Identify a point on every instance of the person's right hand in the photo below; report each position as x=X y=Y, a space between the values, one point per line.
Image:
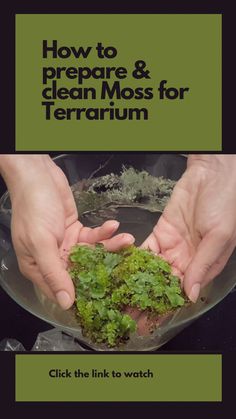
x=45 y=224
x=196 y=233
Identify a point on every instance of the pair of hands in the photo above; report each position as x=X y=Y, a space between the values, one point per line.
x=196 y=233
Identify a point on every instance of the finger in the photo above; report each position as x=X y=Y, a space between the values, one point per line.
x=167 y=235
x=71 y=237
x=174 y=248
x=178 y=257
x=54 y=274
x=151 y=243
x=32 y=273
x=178 y=273
x=118 y=242
x=208 y=253
x=94 y=235
x=218 y=267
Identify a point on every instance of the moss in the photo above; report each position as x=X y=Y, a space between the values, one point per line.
x=106 y=283
x=130 y=187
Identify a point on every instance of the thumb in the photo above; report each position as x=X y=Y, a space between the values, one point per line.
x=54 y=273
x=208 y=253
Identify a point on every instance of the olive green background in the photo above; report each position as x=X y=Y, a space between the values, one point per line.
x=183 y=49
x=176 y=378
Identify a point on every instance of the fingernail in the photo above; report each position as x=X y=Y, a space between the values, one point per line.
x=115 y=224
x=131 y=239
x=194 y=293
x=63 y=299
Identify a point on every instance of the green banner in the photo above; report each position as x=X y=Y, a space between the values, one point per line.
x=118 y=82
x=122 y=377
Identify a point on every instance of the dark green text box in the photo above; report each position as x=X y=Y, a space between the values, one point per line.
x=184 y=50
x=108 y=377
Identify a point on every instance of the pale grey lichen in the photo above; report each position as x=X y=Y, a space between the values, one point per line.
x=129 y=188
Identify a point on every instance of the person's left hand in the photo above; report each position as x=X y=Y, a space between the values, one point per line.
x=196 y=233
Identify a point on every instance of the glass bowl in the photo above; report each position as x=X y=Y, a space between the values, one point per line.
x=137 y=220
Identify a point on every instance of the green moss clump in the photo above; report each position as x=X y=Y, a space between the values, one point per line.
x=106 y=283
